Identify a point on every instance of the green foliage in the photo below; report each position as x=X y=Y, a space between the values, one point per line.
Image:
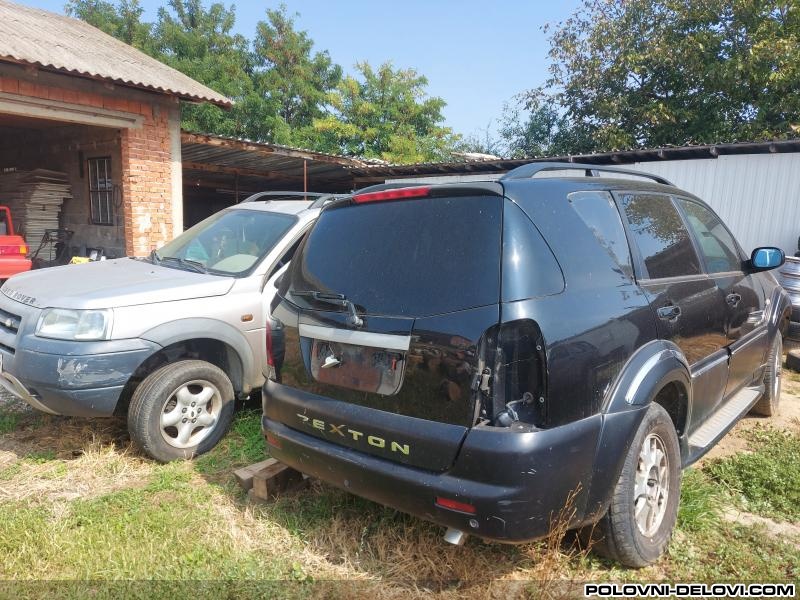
x=9 y=421
x=537 y=127
x=766 y=480
x=700 y=505
x=243 y=445
x=386 y=113
x=284 y=91
x=658 y=72
x=292 y=80
x=199 y=42
x=122 y=20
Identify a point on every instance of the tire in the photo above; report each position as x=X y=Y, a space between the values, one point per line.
x=793 y=360
x=621 y=535
x=170 y=400
x=769 y=403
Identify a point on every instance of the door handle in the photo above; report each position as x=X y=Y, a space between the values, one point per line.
x=669 y=313
x=733 y=299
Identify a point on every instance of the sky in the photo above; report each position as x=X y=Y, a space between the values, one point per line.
x=476 y=54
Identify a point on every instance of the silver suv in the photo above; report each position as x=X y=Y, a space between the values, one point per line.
x=172 y=340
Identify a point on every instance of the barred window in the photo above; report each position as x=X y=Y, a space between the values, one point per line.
x=101 y=191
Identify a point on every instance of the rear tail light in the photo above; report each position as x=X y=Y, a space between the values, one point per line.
x=395 y=194
x=514 y=388
x=274 y=440
x=16 y=249
x=270 y=356
x=455 y=505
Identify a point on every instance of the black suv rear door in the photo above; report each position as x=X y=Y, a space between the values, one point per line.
x=689 y=307
x=422 y=276
x=746 y=321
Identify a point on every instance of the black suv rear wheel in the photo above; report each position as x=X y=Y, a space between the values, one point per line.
x=638 y=525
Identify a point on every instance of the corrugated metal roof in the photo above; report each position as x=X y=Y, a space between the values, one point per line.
x=52 y=41
x=217 y=161
x=599 y=158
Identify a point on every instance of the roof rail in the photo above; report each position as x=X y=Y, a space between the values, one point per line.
x=267 y=196
x=531 y=169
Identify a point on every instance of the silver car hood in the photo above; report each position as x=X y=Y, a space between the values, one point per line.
x=112 y=283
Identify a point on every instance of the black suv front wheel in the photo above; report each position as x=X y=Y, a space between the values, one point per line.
x=644 y=507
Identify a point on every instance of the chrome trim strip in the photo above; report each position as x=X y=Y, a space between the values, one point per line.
x=357 y=338
x=640 y=375
x=752 y=337
x=676 y=279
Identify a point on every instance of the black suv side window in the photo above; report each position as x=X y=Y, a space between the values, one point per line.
x=529 y=267
x=662 y=239
x=716 y=243
x=598 y=212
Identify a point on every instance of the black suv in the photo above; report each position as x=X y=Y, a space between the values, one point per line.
x=483 y=354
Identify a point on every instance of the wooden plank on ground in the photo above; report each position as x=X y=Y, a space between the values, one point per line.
x=245 y=475
x=275 y=479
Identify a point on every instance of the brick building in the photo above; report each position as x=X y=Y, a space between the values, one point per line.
x=76 y=101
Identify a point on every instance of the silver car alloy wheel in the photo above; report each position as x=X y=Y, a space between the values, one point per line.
x=190 y=413
x=652 y=485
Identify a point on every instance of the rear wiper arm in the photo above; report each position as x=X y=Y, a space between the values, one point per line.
x=336 y=300
x=193 y=265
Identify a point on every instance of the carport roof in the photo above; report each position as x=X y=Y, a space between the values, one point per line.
x=37 y=37
x=214 y=161
x=370 y=173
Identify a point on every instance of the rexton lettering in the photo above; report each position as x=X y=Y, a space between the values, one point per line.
x=345 y=431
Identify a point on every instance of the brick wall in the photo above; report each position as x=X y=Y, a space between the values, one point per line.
x=147 y=183
x=141 y=157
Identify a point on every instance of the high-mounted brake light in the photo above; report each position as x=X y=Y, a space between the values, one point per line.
x=395 y=194
x=456 y=505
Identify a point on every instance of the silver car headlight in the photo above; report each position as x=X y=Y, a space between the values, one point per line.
x=68 y=324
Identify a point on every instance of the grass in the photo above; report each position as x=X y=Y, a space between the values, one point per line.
x=8 y=421
x=765 y=480
x=78 y=504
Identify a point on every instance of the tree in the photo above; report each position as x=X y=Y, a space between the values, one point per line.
x=387 y=114
x=658 y=72
x=199 y=42
x=536 y=127
x=123 y=20
x=291 y=79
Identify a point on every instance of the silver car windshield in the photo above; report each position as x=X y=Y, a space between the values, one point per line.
x=230 y=242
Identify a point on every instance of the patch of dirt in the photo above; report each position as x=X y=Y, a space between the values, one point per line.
x=782 y=531
x=788 y=418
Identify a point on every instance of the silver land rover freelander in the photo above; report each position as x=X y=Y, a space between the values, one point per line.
x=170 y=340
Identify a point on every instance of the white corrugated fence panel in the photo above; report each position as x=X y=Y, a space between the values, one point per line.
x=757 y=195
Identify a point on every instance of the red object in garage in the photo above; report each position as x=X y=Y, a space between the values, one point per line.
x=13 y=248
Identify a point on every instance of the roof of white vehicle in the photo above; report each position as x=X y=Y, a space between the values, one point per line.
x=289 y=207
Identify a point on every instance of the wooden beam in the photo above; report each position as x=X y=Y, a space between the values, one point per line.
x=54 y=110
x=211 y=168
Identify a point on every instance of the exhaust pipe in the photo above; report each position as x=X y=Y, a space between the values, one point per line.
x=455 y=537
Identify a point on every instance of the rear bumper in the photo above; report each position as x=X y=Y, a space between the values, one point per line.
x=518 y=482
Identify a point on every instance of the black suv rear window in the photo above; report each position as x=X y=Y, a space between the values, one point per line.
x=407 y=258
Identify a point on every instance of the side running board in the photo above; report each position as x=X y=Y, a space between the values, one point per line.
x=724 y=418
